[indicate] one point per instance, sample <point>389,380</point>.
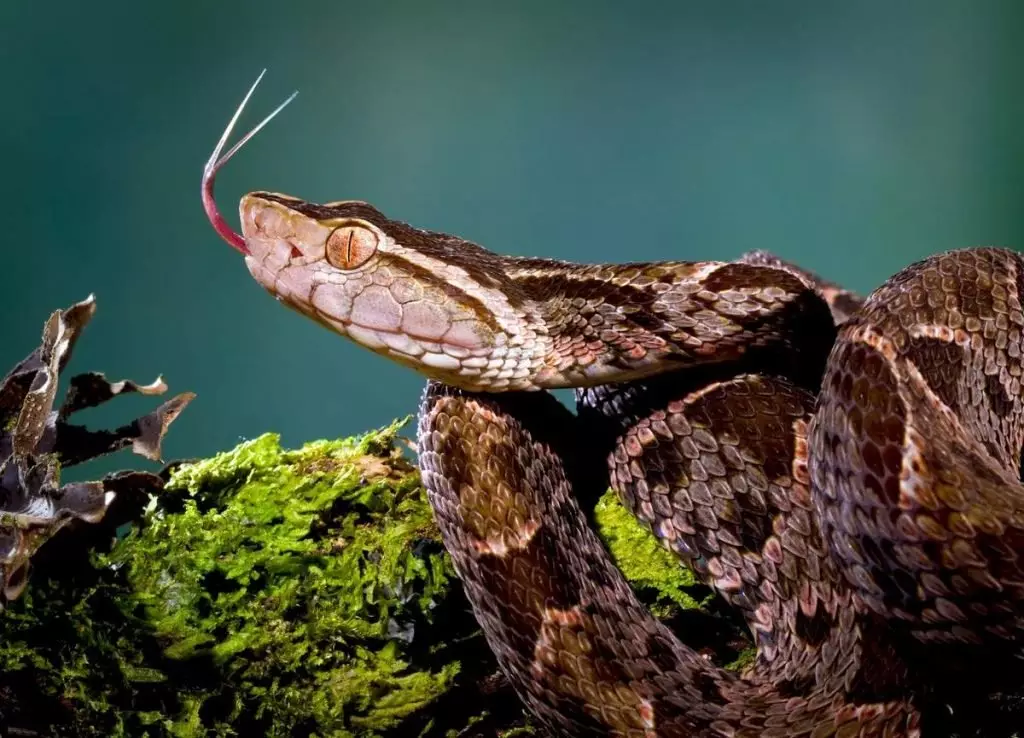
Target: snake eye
<point>351,245</point>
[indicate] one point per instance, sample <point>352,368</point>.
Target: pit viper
<point>843,471</point>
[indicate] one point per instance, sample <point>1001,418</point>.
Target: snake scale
<point>843,471</point>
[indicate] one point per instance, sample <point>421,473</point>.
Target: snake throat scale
<point>843,471</point>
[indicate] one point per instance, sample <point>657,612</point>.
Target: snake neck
<point>601,324</point>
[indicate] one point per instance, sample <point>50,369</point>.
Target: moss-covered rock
<point>264,591</point>
<point>305,577</point>
<point>277,592</point>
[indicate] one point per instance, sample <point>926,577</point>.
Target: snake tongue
<point>216,161</point>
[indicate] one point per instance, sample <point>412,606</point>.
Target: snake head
<point>347,266</point>
<point>431,301</point>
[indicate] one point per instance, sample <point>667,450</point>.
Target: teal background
<point>853,138</point>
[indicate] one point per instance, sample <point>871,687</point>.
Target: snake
<point>842,470</point>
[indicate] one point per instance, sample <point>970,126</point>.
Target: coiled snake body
<point>845,474</point>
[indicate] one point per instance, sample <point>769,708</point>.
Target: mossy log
<point>302,592</point>
<point>281,592</point>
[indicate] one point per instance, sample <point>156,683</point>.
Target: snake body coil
<point>845,473</point>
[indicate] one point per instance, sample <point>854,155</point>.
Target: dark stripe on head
<point>424,275</point>
<point>353,209</point>
<point>482,266</point>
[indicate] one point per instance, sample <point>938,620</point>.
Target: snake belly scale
<point>844,472</point>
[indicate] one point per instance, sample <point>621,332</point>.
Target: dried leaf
<point>36,441</point>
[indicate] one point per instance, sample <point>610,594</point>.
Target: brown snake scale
<point>844,472</point>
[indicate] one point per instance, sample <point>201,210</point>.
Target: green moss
<point>266,592</point>
<point>745,659</point>
<point>292,571</point>
<point>644,561</point>
<point>276,592</point>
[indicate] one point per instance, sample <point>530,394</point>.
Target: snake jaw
<point>216,161</point>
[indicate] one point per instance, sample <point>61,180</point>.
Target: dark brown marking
<point>999,401</point>
<point>739,276</point>
<point>710,691</point>
<point>639,302</point>
<point>456,294</point>
<point>790,688</point>
<point>481,265</point>
<point>814,629</point>
<point>1019,269</point>
<point>941,363</point>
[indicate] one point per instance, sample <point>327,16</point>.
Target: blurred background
<point>852,138</point>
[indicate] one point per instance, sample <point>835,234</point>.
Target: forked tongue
<point>216,161</point>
